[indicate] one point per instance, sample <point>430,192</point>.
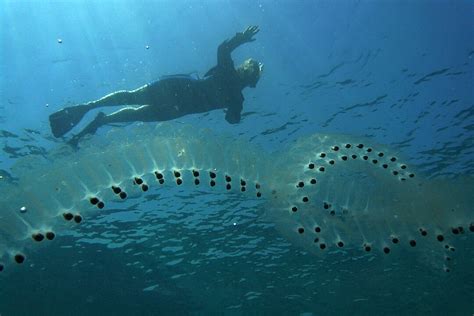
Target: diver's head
<point>249,72</point>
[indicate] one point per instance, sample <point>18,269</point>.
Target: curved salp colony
<point>325,192</point>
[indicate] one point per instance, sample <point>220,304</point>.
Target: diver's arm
<point>225,49</point>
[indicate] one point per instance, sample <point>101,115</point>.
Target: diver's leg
<point>145,113</point>
<point>64,120</point>
<point>122,97</point>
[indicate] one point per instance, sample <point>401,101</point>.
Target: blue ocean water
<point>395,72</point>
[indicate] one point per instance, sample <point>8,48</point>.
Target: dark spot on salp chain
<point>179,181</point>
<point>440,238</point>
<point>94,200</point>
<point>344,158</point>
<point>395,240</point>
<point>311,166</point>
<point>228,178</point>
<point>369,150</point>
<point>321,169</point>
<point>243,189</point>
<point>446,269</point>
<point>161,181</point>
<point>195,173</point>
<point>380,155</point>
<point>212,175</point>
<point>455,230</point>
<point>158,175</point>
<point>177,174</point>
<point>331,162</point>
<point>322,246</point>
<point>367,248</point>
<point>144,187</point>
<point>138,181</point>
<point>393,159</point>
<point>312,181</point>
<point>259,194</point>
<point>348,146</point>
<point>243,182</point>
<point>335,148</point>
<point>365,157</point>
<point>403,166</point>
<point>333,212</point>
<point>300,184</point>
<point>2,267</point>
<point>316,240</point>
<point>448,258</point>
<point>411,175</point>
<point>100,205</point>
<point>317,229</point>
<point>395,172</point>
<point>228,186</point>
<point>196,181</point>
<point>446,246</point>
<point>37,237</point>
<point>212,183</point>
<point>471,227</point>
<point>326,206</point>
<point>19,258</point>
<point>123,195</point>
<point>257,186</point>
<point>413,243</point>
<point>386,250</point>
<point>116,190</point>
<point>294,209</point>
<point>301,230</point>
<point>78,218</point>
<point>68,216</point>
<point>322,155</point>
<point>340,244</point>
<point>385,166</point>
<point>360,146</point>
<point>50,235</point>
<point>423,232</point>
<point>374,161</point>
<point>354,156</point>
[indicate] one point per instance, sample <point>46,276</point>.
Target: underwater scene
<point>237,157</point>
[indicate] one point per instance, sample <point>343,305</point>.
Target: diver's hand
<point>246,36</point>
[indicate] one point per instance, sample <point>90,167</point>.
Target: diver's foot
<point>89,129</point>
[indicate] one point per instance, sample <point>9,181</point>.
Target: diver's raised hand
<point>249,33</point>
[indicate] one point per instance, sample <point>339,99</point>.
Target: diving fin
<point>64,120</point>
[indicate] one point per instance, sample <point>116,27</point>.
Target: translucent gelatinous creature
<point>324,192</point>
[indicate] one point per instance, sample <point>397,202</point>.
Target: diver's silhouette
<point>173,96</point>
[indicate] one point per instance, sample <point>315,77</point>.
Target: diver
<point>172,96</point>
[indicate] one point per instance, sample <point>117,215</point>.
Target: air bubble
<point>23,209</point>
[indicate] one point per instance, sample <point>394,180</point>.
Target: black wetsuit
<point>175,96</point>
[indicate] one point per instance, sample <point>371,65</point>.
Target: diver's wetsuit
<point>175,96</point>
<point>166,99</point>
